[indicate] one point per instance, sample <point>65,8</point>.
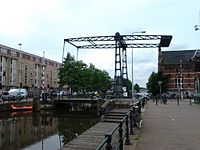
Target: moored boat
<point>14,107</point>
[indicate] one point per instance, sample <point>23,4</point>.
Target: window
<point>179,83</point>
<point>197,66</point>
<point>13,53</point>
<point>4,51</point>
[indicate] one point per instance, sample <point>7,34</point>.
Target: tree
<point>99,80</point>
<point>137,88</point>
<point>71,73</point>
<point>79,77</point>
<point>153,86</point>
<point>65,72</point>
<point>129,88</point>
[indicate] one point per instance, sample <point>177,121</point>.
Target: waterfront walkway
<point>169,127</point>
<point>91,138</point>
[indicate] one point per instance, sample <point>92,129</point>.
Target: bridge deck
<point>75,101</point>
<point>91,138</point>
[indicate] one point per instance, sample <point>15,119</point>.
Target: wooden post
<point>36,103</point>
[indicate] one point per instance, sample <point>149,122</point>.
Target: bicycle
<point>137,118</point>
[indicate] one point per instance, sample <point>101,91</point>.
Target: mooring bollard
<point>178,101</point>
<point>190,101</point>
<point>156,101</point>
<point>36,104</point>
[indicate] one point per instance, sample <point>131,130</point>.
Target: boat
<point>13,107</point>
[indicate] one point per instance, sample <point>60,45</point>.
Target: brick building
<point>183,69</point>
<point>22,69</point>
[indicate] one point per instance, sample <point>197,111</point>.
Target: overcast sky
<point>42,25</point>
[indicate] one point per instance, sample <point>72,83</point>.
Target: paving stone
<point>170,127</point>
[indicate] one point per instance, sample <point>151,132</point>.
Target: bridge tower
<point>121,75</point>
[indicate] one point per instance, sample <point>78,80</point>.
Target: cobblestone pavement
<point>169,127</point>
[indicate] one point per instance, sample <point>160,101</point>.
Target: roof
<point>174,57</point>
<point>196,55</point>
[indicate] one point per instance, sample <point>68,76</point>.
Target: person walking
<point>156,99</point>
<point>190,97</point>
<point>164,98</point>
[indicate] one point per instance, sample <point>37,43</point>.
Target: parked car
<point>6,97</point>
<point>44,96</point>
<point>18,92</point>
<point>62,93</point>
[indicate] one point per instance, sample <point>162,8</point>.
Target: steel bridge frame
<point>120,43</point>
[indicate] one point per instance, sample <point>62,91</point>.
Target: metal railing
<point>128,121</point>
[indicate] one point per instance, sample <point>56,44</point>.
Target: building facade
<point>183,69</point>
<point>25,70</point>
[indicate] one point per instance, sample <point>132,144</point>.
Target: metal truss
<point>108,46</point>
<point>120,43</point>
<point>112,38</point>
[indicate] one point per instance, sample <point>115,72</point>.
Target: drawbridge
<point>120,43</point>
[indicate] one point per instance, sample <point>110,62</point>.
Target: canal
<point>45,130</point>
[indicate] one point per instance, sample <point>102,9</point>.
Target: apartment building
<point>22,69</point>
<point>183,69</point>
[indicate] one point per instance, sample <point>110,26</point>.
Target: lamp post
<point>159,83</point>
<point>132,66</point>
<point>20,69</point>
<point>197,27</point>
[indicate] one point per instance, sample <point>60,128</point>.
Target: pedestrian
<point>190,97</point>
<point>153,97</point>
<point>164,97</point>
<point>156,99</point>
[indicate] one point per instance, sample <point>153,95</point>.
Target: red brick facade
<point>183,69</point>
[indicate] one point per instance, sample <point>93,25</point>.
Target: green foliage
<point>153,86</point>
<point>129,85</point>
<point>136,88</point>
<point>79,77</point>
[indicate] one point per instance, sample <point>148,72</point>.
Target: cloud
<point>43,25</point>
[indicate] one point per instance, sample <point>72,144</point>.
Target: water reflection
<point>44,130</point>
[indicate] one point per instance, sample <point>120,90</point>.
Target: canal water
<point>46,130</point>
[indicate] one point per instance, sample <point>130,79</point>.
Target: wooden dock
<point>90,139</point>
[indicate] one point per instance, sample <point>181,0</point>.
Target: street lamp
<point>197,27</point>
<point>20,45</point>
<point>132,65</point>
<point>159,83</point>
<point>20,70</point>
